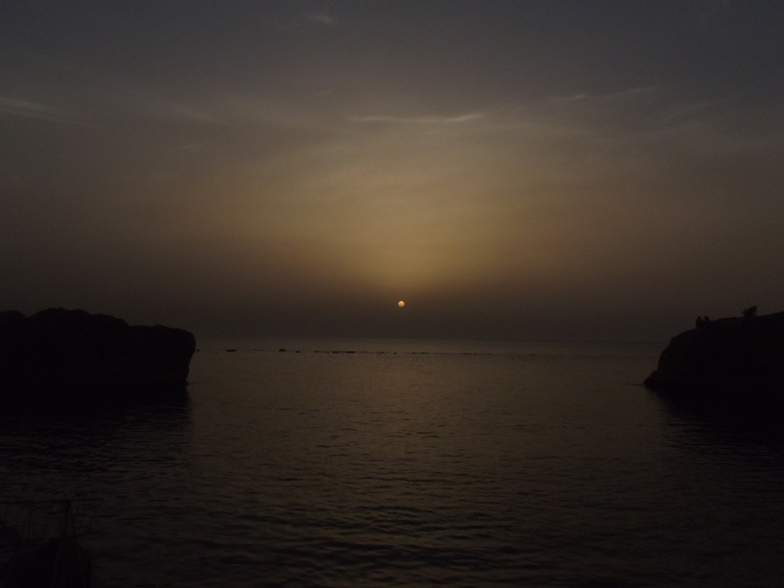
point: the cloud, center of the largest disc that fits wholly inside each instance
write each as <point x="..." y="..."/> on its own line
<point x="323" y="18"/>
<point x="430" y="120"/>
<point x="16" y="107"/>
<point x="179" y="111"/>
<point x="609" y="97"/>
<point x="147" y="101"/>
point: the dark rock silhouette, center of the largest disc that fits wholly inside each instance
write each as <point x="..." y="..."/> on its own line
<point x="732" y="356"/>
<point x="69" y="355"/>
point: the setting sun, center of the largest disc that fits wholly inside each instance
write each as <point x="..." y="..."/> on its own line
<point x="401" y="304"/>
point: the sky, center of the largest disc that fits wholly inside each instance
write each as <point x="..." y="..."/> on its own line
<point x="544" y="169"/>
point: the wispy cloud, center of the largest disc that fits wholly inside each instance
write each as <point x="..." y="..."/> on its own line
<point x="609" y="97"/>
<point x="323" y="18"/>
<point x="16" y="107"/>
<point x="181" y="111"/>
<point x="429" y="120"/>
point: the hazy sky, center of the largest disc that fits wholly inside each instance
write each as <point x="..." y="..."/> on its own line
<point x="513" y="169"/>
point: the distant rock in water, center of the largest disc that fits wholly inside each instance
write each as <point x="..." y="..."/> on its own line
<point x="736" y="356"/>
<point x="72" y="354"/>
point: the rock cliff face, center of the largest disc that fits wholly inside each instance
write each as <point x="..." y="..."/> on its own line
<point x="730" y="356"/>
<point x="71" y="353"/>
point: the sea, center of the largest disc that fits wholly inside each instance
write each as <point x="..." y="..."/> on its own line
<point x="370" y="463"/>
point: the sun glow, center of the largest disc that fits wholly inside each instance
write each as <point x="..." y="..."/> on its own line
<point x="401" y="304"/>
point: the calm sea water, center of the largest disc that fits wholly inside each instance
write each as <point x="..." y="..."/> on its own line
<point x="415" y="464"/>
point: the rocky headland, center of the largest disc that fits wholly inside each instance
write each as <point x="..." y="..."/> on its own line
<point x="737" y="356"/>
<point x="72" y="355"/>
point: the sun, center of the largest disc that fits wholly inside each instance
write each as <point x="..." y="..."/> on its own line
<point x="401" y="304"/>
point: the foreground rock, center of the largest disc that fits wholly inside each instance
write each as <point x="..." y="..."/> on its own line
<point x="737" y="356"/>
<point x="71" y="355"/>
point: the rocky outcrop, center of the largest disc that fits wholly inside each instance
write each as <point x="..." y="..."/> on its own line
<point x="69" y="354"/>
<point x="731" y="356"/>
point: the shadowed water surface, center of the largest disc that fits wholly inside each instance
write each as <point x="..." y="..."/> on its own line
<point x="412" y="464"/>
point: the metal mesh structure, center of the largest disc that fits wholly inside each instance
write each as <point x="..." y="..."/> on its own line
<point x="39" y="545"/>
